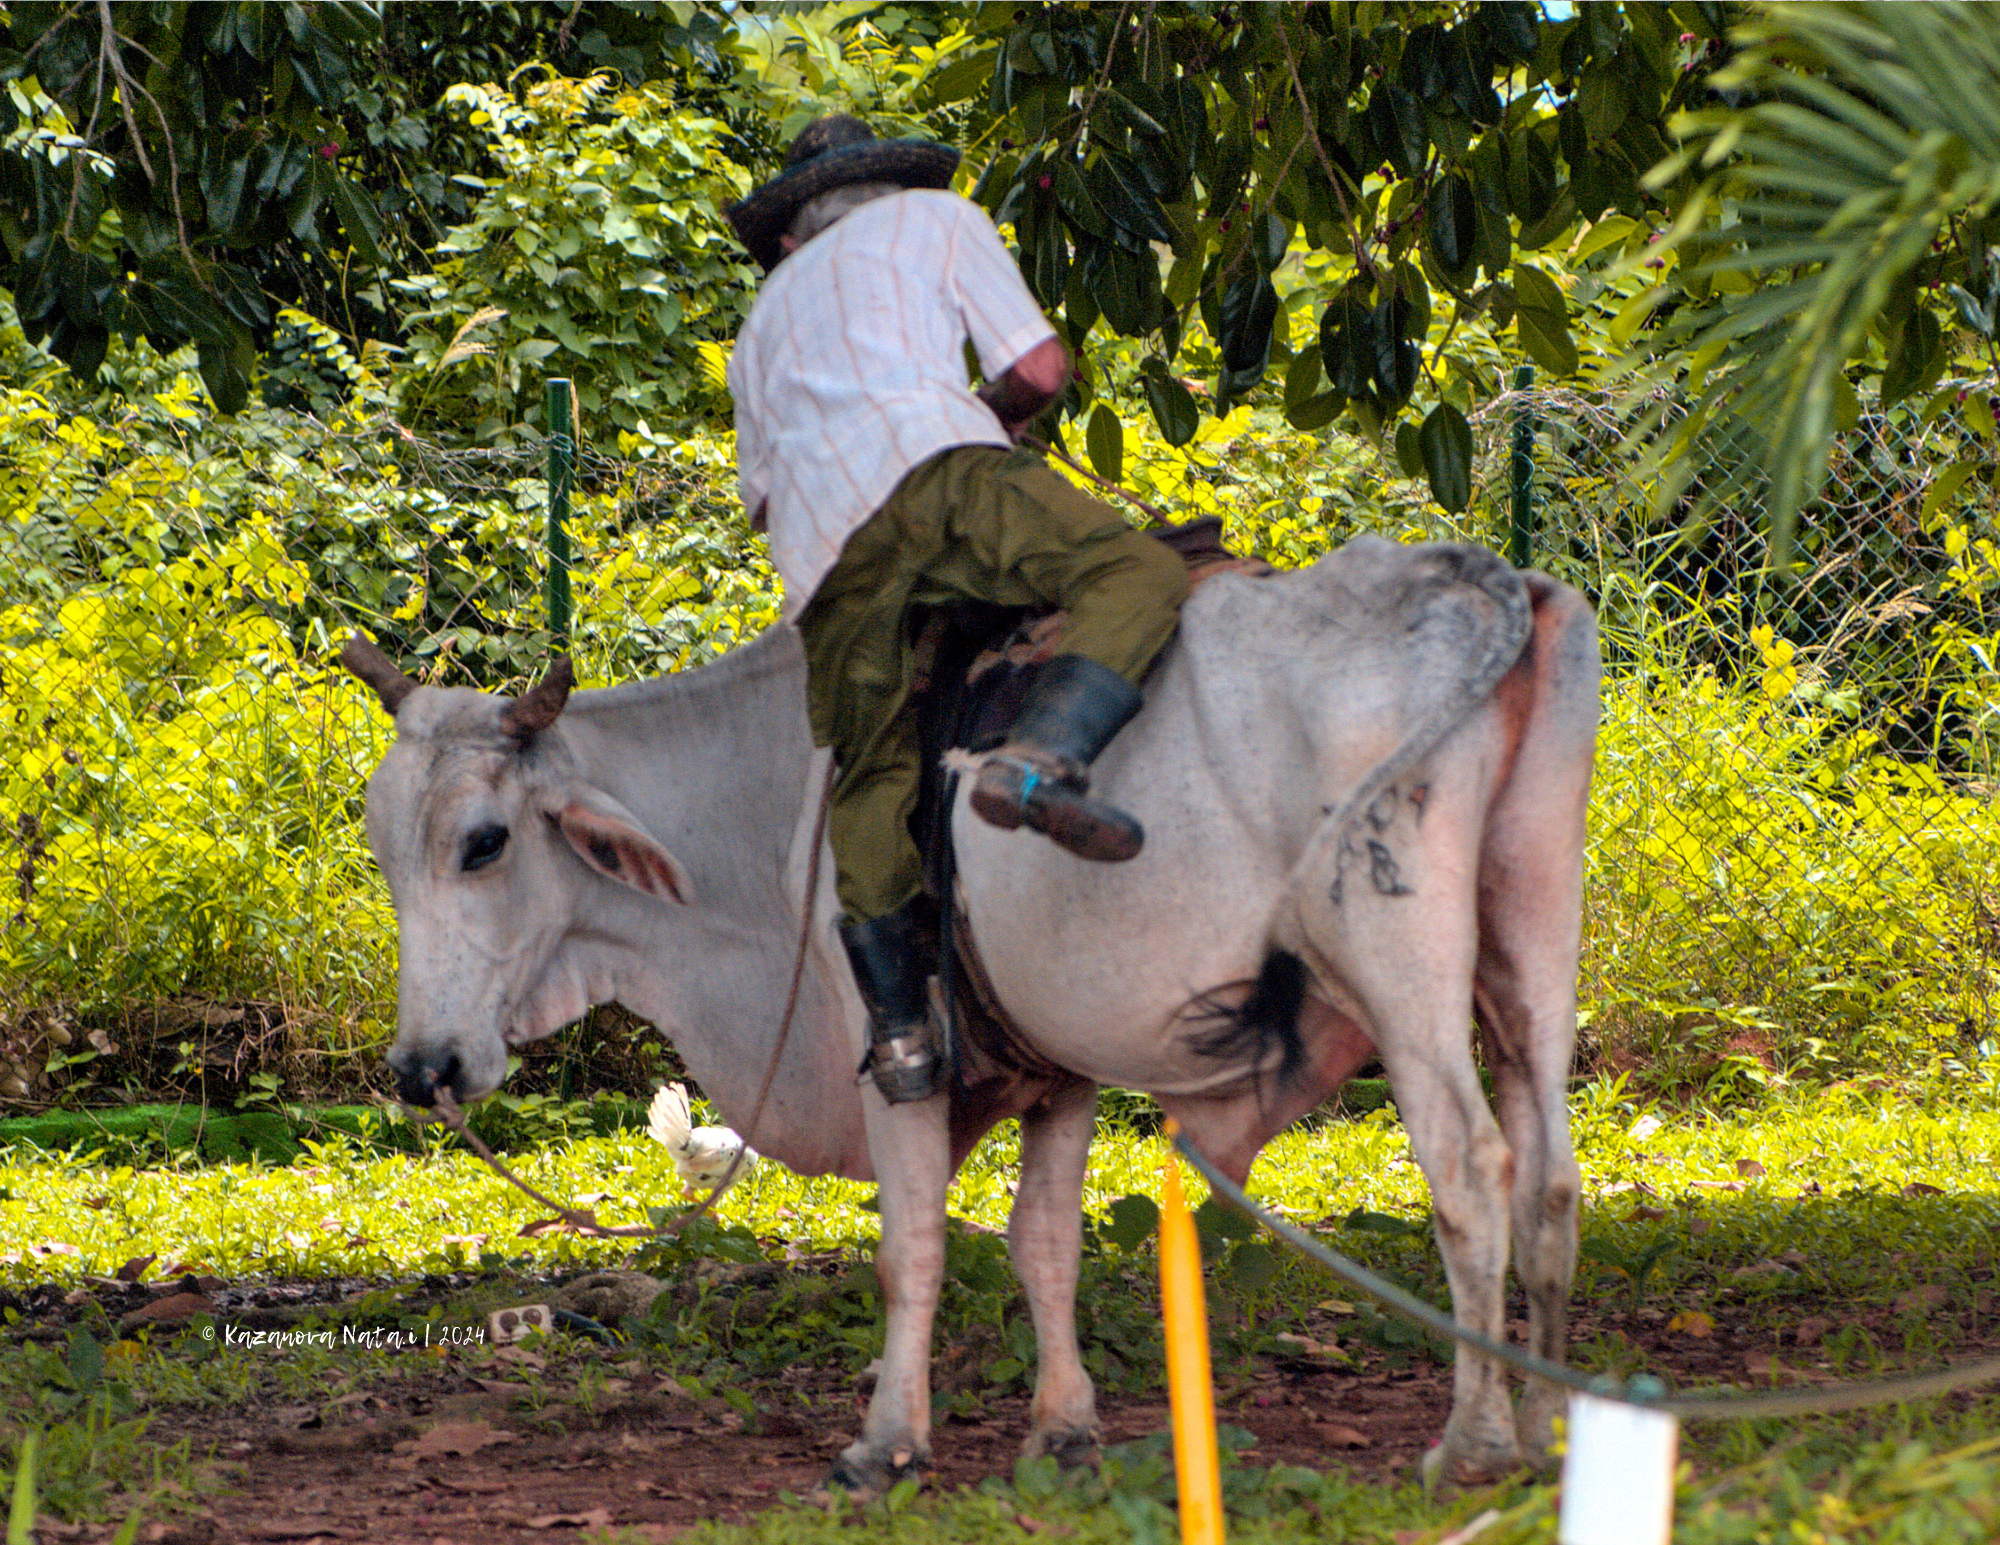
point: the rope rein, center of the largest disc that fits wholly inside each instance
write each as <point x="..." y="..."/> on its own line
<point x="584" y="1219"/>
<point x="1640" y="1389"/>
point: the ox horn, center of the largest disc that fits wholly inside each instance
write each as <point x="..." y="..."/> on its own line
<point x="536" y="709"/>
<point x="379" y="671"/>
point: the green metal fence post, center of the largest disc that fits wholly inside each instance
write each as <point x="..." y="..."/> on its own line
<point x="560" y="417"/>
<point x="1521" y="527"/>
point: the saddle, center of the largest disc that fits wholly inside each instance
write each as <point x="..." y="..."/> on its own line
<point x="974" y="665"/>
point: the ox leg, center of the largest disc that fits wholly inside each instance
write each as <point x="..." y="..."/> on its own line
<point x="911" y="1148"/>
<point x="1531" y="911"/>
<point x="1406" y="946"/>
<point x="1528" y="1054"/>
<point x="1045" y="1235"/>
<point x="1469" y="1167"/>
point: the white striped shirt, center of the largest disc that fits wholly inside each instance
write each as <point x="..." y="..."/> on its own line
<point x="851" y="368"/>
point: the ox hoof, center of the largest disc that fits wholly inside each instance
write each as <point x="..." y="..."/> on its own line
<point x="1535" y="1425"/>
<point x="1072" y="1448"/>
<point x="1446" y="1474"/>
<point x="864" y="1474"/>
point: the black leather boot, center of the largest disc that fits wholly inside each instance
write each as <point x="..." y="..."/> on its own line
<point x="1039" y="776"/>
<point x="891" y="968"/>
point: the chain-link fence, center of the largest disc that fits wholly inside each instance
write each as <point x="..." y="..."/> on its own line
<point x="1793" y="835"/>
<point x="1790" y="863"/>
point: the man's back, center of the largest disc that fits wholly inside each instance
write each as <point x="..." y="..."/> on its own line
<point x="850" y="370"/>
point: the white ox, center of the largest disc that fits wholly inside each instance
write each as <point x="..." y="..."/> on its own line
<point x="1377" y="767"/>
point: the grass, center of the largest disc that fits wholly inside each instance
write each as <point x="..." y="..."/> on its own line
<point x="1870" y="1202"/>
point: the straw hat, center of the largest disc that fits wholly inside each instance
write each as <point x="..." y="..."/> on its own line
<point x="830" y="153"/>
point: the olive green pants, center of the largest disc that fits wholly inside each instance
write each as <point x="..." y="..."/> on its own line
<point x="978" y="522"/>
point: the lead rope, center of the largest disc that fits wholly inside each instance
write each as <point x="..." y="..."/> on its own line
<point x="584" y="1219"/>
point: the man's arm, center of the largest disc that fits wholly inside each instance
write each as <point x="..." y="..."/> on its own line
<point x="1028" y="385"/>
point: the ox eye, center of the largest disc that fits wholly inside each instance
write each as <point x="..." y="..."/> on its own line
<point x="482" y="846"/>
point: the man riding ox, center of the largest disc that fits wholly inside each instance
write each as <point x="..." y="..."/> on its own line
<point x="886" y="483"/>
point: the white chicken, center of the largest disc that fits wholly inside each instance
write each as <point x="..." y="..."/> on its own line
<point x="702" y="1155"/>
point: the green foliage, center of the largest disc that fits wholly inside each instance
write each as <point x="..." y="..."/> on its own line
<point x="1772" y="893"/>
<point x="1171" y="167"/>
<point x="596" y="252"/>
<point x="135" y="137"/>
<point x="1856" y="156"/>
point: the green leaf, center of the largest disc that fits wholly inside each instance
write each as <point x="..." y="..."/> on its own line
<point x="1302" y="377"/>
<point x="21" y="1514"/>
<point x="1122" y="194"/>
<point x="1396" y="119"/>
<point x="1409" y="453"/>
<point x="1545" y="339"/>
<point x="1316" y="412"/>
<point x="359" y="219"/>
<point x="1916" y="359"/>
<point x="1445" y="444"/>
<point x="1452" y="222"/>
<point x="1075" y="200"/>
<point x="1249" y="308"/>
<point x="1253" y="1267"/>
<point x="86" y="1360"/>
<point x="1133" y="1221"/>
<point x="1173" y="408"/>
<point x="1946" y="487"/>
<point x="1104" y="438"/>
<point x="1541" y="320"/>
<point x="1215" y="1220"/>
<point x="1347" y="344"/>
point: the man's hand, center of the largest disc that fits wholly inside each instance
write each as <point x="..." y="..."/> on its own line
<point x="1028" y="385"/>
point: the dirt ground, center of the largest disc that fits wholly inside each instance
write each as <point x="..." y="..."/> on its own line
<point x="539" y="1441"/>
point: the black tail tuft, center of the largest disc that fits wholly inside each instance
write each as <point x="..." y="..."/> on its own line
<point x="1244" y="1032"/>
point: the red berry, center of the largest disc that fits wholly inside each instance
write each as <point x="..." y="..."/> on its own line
<point x="1225" y="225"/>
<point x="1044" y="180"/>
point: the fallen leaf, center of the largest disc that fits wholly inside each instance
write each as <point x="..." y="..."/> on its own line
<point x="1645" y="1127"/>
<point x="97" y="1203"/>
<point x="520" y="1357"/>
<point x="1921" y="1300"/>
<point x="1699" y="1226"/>
<point x="1750" y="1169"/>
<point x="1765" y="1268"/>
<point x="1692" y="1322"/>
<point x="1307" y="1346"/>
<point x="1339" y="1435"/>
<point x="455" y="1438"/>
<point x="1809" y="1330"/>
<point x="541" y="1226"/>
<point x="1922" y="1188"/>
<point x="135" y="1268"/>
<point x="175" y="1309"/>
<point x="595" y="1518"/>
<point x="1645" y="1213"/>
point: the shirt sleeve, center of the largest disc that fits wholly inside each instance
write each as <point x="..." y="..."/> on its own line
<point x="1002" y="317"/>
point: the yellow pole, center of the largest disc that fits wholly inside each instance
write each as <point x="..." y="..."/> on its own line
<point x="1190" y="1387"/>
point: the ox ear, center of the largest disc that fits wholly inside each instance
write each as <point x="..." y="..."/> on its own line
<point x="609" y="838"/>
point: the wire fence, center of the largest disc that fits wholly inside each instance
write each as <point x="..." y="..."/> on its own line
<point x="1792" y="861"/>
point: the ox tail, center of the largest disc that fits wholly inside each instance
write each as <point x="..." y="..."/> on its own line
<point x="1492" y="653"/>
<point x="1266" y="1016"/>
<point x="1497" y="627"/>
